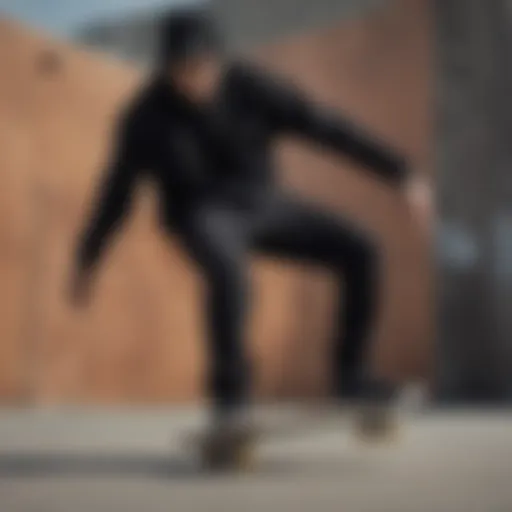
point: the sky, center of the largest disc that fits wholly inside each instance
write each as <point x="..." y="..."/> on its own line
<point x="65" y="16"/>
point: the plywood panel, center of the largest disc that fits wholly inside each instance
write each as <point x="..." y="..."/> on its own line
<point x="142" y="338"/>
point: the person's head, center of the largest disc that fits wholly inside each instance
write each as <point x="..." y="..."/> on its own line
<point x="191" y="50"/>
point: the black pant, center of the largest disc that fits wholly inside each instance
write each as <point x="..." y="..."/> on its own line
<point x="220" y="237"/>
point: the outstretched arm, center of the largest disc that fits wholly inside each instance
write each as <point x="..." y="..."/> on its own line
<point x="288" y="110"/>
<point x="111" y="207"/>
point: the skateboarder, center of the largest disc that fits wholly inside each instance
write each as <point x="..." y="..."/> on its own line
<point x="203" y="129"/>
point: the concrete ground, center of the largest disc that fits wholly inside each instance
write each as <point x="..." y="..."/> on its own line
<point x="136" y="461"/>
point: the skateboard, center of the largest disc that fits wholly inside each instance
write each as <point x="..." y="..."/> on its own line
<point x="235" y="450"/>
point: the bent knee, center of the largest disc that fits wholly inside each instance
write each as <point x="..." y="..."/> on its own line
<point x="224" y="273"/>
<point x="362" y="259"/>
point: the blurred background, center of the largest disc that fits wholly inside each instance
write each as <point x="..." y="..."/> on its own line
<point x="432" y="77"/>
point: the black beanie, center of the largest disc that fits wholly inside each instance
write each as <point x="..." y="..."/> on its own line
<point x="186" y="33"/>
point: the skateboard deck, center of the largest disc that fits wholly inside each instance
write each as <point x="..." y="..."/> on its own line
<point x="225" y="451"/>
<point x="374" y="424"/>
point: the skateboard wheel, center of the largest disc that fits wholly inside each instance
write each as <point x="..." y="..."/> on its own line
<point x="228" y="454"/>
<point x="376" y="425"/>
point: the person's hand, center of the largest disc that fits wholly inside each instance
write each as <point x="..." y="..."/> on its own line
<point x="419" y="199"/>
<point x="80" y="288"/>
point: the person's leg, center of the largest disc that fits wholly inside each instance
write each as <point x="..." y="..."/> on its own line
<point x="216" y="238"/>
<point x="301" y="232"/>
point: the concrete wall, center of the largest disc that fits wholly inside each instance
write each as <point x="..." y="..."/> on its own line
<point x="142" y="339"/>
<point x="474" y="190"/>
<point x="245" y="24"/>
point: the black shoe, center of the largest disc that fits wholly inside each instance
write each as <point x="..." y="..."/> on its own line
<point x="366" y="390"/>
<point x="233" y="418"/>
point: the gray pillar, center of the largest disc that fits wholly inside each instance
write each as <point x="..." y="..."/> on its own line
<point x="474" y="201"/>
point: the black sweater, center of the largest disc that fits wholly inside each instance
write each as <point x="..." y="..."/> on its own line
<point x="194" y="153"/>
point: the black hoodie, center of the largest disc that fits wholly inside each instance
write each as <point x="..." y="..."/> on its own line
<point x="221" y="151"/>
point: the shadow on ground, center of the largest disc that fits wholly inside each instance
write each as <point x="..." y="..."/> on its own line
<point x="51" y="465"/>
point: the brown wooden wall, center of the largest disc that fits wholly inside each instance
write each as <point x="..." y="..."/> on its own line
<point x="142" y="339"/>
